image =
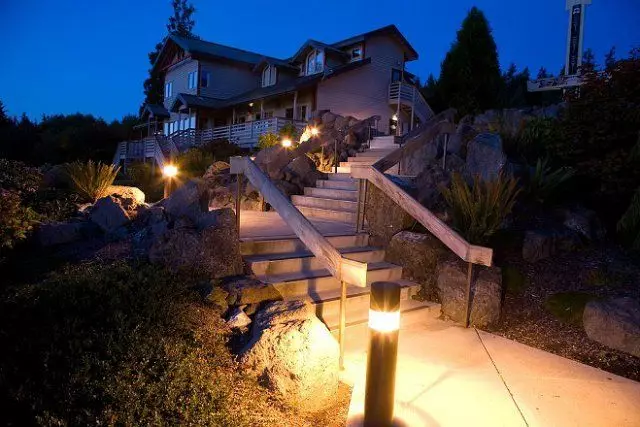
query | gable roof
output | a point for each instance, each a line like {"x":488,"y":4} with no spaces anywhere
{"x":391,"y":30}
{"x":316,"y":45}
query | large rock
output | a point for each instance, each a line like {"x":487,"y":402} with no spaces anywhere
{"x":384,"y":217}
{"x":211,"y":245}
{"x":282,"y":312}
{"x":272,"y":160}
{"x":297,"y":359}
{"x":485,"y":157}
{"x":238,"y":318}
{"x":457,"y":143}
{"x":584,"y":222}
{"x":544,"y":243}
{"x":246,"y":290}
{"x":108,"y":214}
{"x":302,"y":172}
{"x":429,"y":150}
{"x":418,"y":254}
{"x":429,"y":184}
{"x":614,"y":323}
{"x":186,"y":199}
{"x":58,"y":233}
{"x":134,"y":194}
{"x":486,"y":293}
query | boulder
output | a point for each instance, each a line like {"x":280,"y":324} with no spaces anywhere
{"x":543,"y":243}
{"x":108,"y":214}
{"x":215,"y":169}
{"x":298,"y":360}
{"x":302,"y":172}
{"x":272,"y":160}
{"x":429,"y":184}
{"x":584,"y":222}
{"x":485,"y":157}
{"x":282,"y":312}
{"x":615,"y":323}
{"x":384,"y":217}
{"x":418,"y":254}
{"x":246,"y":290}
{"x":328,"y":119}
{"x":186,"y":199}
{"x":58,"y":233}
{"x":341,"y":123}
{"x":422,"y":157}
{"x":238,"y":318}
{"x":486,"y":293}
{"x":132,"y":195}
{"x":211,"y":246}
{"x":458,"y":142}
{"x":56,"y":176}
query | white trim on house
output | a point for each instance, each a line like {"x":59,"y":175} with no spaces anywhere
{"x":314,"y":62}
{"x":269,"y":75}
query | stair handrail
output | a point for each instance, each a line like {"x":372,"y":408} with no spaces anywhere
{"x":346,"y":270}
{"x":439,"y":125}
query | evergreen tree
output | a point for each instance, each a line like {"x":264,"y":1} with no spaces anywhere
{"x":4,"y":119}
{"x":542,"y":73}
{"x":181,"y":23}
{"x":514,"y":88}
{"x":588,"y":60}
{"x":470,"y":76}
{"x":610,"y":59}
{"x":431,"y":93}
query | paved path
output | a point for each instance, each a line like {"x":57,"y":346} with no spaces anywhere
{"x":451,"y":376}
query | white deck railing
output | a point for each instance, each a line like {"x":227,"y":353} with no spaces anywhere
{"x":409,"y":95}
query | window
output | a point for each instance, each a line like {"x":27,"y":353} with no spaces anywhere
{"x":205,"y":79}
{"x":268,"y":76}
{"x":267,"y":115}
{"x":166,"y":128}
{"x":356,"y":53}
{"x":193,"y":79}
{"x":288,"y":113}
{"x":395,"y":75}
{"x":168,"y":89}
{"x":315,"y":62}
{"x":301,"y":112}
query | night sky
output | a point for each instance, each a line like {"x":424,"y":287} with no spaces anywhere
{"x":89,"y":56}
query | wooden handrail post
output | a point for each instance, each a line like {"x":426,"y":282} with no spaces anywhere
{"x":343,"y":321}
{"x":467,"y":300}
{"x":238,"y":184}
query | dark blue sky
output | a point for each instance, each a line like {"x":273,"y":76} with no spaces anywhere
{"x":89,"y":56}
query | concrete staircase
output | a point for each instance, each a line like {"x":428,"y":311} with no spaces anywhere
{"x":336,"y":198}
{"x":297,"y":274}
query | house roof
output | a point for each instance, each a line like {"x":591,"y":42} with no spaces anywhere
{"x":277,"y":62}
{"x":389,"y":30}
{"x":282,"y":88}
{"x":316,"y":45}
{"x":210,"y":49}
{"x":155,"y":110}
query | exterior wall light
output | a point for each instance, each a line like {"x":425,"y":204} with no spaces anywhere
{"x":382,"y":357}
{"x":286,"y":143}
{"x":251,"y":104}
{"x":314,"y":131}
{"x":394,"y":118}
{"x":169,"y":172}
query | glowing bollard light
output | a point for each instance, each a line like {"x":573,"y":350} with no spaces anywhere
{"x":169,"y":172}
{"x":286,"y":143}
{"x":384,"y":326}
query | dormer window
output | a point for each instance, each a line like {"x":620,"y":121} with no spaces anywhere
{"x":355,"y":53}
{"x":268,"y":76}
{"x":315,"y":62}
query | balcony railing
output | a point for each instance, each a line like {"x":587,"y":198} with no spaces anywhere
{"x":409,"y":95}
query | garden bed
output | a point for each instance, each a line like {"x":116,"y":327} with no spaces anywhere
{"x":544,"y":302}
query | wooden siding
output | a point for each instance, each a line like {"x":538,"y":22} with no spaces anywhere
{"x":179,"y":75}
{"x":363,"y":92}
{"x":228,"y":80}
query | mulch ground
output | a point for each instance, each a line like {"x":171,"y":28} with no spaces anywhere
{"x":601,"y":272}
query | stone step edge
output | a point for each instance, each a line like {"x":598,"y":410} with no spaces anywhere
{"x":319,"y":274}
{"x":307,"y":254}
{"x":427,"y":307}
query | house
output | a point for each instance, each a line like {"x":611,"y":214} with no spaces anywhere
{"x":214,"y":91}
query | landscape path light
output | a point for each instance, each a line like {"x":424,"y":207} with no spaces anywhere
{"x":286,"y":143}
{"x":169,"y":172}
{"x":382,"y":357}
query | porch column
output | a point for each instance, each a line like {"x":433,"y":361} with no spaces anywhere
{"x":413,"y":107}
{"x":295,"y":105}
{"x":262,"y":109}
{"x":233,"y":116}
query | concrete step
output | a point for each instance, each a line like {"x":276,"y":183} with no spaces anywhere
{"x":380,"y":152}
{"x":266,"y":264}
{"x":412,"y":312}
{"x":337,"y":184}
{"x":340,"y":176}
{"x":329,"y":204}
{"x":284,"y":246}
{"x":331,"y":193}
{"x":362,"y":160}
{"x":345,"y":170}
{"x":348,"y":217}
{"x":313,"y":282}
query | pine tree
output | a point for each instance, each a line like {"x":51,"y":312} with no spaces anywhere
{"x":431,"y":93}
{"x":470,"y":78}
{"x":610,"y":59}
{"x":588,"y":60}
{"x":542,"y":73}
{"x":181,"y":23}
{"x":4,"y":118}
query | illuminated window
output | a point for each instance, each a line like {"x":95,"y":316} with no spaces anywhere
{"x":356,"y":53}
{"x":193,"y":79}
{"x":168,"y":89}
{"x":268,"y":76}
{"x":315,"y":62}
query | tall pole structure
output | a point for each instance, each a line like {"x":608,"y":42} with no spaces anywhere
{"x":575,"y":35}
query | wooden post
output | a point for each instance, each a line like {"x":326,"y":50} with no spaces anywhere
{"x":468,"y":296}
{"x":343,"y":320}
{"x":335,"y":154}
{"x":358,"y":206}
{"x":233,"y":116}
{"x":239,"y":178}
{"x":295,"y":105}
{"x":413,"y":107}
{"x":262,"y":109}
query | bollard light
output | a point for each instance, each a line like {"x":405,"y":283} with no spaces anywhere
{"x":384,"y":327}
{"x":286,"y":143}
{"x":314,"y":131}
{"x":169,"y":172}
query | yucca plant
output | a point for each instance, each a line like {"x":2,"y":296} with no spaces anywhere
{"x":91,"y":180}
{"x":545,"y":183}
{"x":477,"y":212}
{"x":629,"y":225}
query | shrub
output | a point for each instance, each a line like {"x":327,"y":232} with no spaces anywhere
{"x":267,"y":140}
{"x":289,"y":131}
{"x":148,"y":179}
{"x":536,"y":136}
{"x":91,"y":180}
{"x":222,"y":149}
{"x":121,"y":344}
{"x":16,"y":220}
{"x":514,"y":281}
{"x":568,"y":306}
{"x":194,"y":162}
{"x":544,"y":184}
{"x":19,"y":177}
{"x":53,"y":204}
{"x":478,"y":212}
{"x":628,"y":226}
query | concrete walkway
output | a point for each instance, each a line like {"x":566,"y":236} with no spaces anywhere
{"x":451,"y":376}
